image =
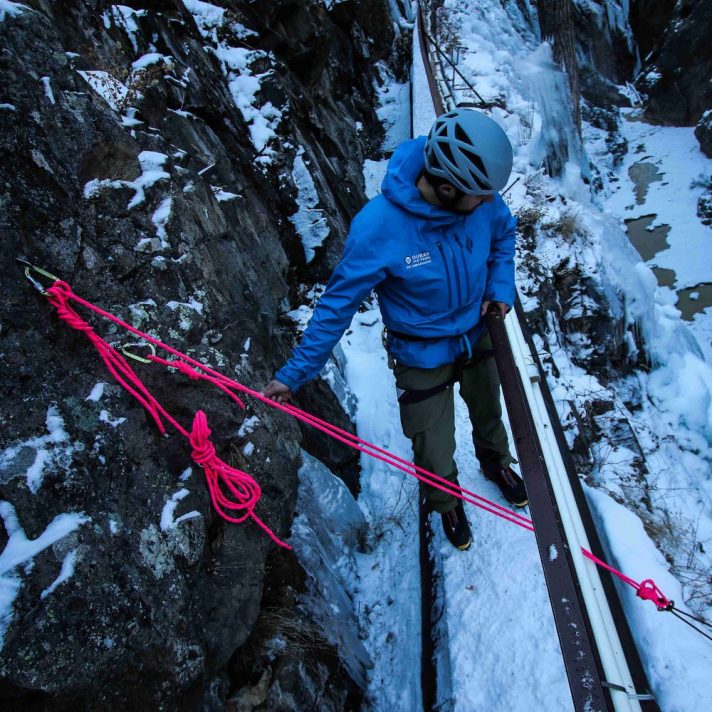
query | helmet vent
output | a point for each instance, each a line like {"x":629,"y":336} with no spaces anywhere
{"x":483,"y":185}
{"x":447,"y":152}
{"x":477,"y":161}
{"x":434,"y":163}
{"x":460,"y":135}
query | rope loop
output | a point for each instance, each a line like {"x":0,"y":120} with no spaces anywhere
{"x":648,"y":590}
{"x":203,"y":449}
{"x":59,"y":295}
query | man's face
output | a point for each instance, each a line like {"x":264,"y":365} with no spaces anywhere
{"x":465,"y":205}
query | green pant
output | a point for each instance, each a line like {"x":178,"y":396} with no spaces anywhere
{"x":430,"y":423}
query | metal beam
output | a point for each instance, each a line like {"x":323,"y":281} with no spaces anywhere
{"x":577,"y":648}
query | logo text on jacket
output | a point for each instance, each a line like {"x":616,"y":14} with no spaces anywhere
{"x":417,"y":260}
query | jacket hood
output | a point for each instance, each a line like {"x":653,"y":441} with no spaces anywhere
{"x":404,"y":167}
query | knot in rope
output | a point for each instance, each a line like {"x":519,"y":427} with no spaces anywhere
{"x":203,"y":449}
{"x":59,"y":295}
{"x":649,"y":591}
{"x":187,"y":370}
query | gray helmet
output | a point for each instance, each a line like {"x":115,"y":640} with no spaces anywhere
{"x":469,"y":150}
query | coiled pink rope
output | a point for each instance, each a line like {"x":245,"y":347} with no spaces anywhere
{"x":243,"y":488}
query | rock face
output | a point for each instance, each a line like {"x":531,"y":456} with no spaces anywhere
{"x":147,"y":156}
{"x":677,"y":67}
{"x":703,"y":132}
{"x":649,"y":20}
{"x":605,"y":50}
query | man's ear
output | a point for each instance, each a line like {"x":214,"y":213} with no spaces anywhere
{"x":446,"y":190}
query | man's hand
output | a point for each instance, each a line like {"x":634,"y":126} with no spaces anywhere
{"x":503,"y":308}
{"x":277,"y":391}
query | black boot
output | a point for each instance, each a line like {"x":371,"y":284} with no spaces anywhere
{"x":510,"y":483}
{"x":456,"y":528}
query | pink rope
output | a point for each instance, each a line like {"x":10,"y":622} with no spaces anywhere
{"x":231,"y":490}
{"x":243,"y":488}
{"x":647,"y":590}
{"x":216,"y":377}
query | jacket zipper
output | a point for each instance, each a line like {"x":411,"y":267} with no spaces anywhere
{"x":447,"y":275}
{"x":465,"y":272}
{"x":456,"y":270}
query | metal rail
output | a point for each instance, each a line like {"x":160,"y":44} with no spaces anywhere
{"x":577,"y":648}
{"x":620,"y":658}
{"x":428,"y":664}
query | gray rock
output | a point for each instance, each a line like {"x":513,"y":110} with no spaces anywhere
{"x":675,"y":74}
{"x":703,"y":133}
{"x":169,"y":607}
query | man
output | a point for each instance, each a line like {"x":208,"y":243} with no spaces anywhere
{"x":438,"y":248}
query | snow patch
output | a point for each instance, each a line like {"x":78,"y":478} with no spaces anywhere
{"x":96,"y":393}
{"x":53,"y":448}
{"x":105,"y":417}
{"x":125,"y":18}
{"x":235,"y":62}
{"x":223,"y":196}
{"x":160,"y":219}
{"x":309,"y":221}
{"x":209,"y":18}
{"x":65,"y":574}
{"x":110,"y":89}
{"x":184,"y":309}
{"x":244,"y":87}
{"x":20,"y":550}
{"x":167,"y":515}
{"x":11,"y":9}
{"x":248,"y":426}
{"x":151,"y":173}
{"x":151,"y":59}
{"x":677,"y":660}
{"x":48,"y":90}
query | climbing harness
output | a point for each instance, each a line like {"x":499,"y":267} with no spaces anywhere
{"x":411,"y":396}
{"x":468,"y":360}
{"x":235,"y":493}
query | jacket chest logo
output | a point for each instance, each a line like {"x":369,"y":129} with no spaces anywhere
{"x":418,"y":260}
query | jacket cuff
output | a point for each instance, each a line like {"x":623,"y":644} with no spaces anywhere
{"x":507,"y":299}
{"x":282,"y":378}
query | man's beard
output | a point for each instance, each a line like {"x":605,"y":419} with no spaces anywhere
{"x":451,"y":204}
{"x":462,"y":211}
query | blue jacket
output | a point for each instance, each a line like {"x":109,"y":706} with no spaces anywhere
{"x":431,"y":269}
